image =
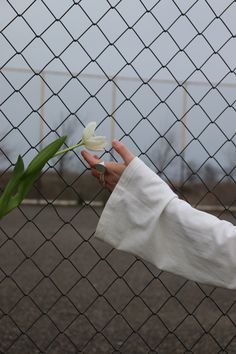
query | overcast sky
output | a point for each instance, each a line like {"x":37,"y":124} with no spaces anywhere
{"x":181,"y":41}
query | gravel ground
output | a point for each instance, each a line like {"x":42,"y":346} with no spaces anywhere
{"x":63,"y":292}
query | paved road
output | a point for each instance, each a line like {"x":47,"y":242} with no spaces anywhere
{"x":63,"y":292}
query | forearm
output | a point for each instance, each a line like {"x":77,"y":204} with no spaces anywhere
{"x":144,"y":217}
{"x":128,"y":218}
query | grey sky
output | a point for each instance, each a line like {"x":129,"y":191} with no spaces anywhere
{"x":116,"y":45}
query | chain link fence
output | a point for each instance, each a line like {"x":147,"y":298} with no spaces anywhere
{"x":160,"y":76}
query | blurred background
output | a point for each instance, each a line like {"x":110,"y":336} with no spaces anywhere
{"x":159,"y":76}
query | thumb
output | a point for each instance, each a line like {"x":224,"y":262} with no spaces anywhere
{"x":123,"y":151}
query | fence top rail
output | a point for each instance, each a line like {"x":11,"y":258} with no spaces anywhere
{"x":117,"y":78}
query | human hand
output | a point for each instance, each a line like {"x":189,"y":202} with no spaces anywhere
{"x":114,"y":170}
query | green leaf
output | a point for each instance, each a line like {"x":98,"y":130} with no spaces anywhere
{"x":34,"y":169}
{"x":44,"y":155}
{"x":12,"y":186}
{"x":21,"y":181}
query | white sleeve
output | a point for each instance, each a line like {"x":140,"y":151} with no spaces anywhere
{"x":144,"y":217}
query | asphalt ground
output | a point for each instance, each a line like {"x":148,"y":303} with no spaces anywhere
{"x":63,"y":292}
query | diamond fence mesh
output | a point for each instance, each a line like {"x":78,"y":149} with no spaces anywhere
{"x":160,"y":76}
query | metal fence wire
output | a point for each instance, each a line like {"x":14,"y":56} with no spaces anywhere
{"x":160,"y":76}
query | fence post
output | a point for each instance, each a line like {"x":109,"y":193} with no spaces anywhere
{"x":113,"y":112}
{"x":183,"y":132}
{"x":41,"y":122}
{"x":41,"y":109}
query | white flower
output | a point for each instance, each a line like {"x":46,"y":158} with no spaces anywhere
{"x":90,"y":140}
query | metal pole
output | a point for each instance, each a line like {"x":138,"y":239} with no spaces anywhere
{"x":41,"y":110}
{"x":183,"y":132}
{"x":123,"y":78}
{"x":113,"y":108}
{"x":41,"y":121}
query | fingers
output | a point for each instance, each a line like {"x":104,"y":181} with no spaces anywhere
{"x":119,"y":147}
{"x":91,"y":159}
{"x":114,"y":170}
{"x":123,"y":151}
{"x":111,"y":177}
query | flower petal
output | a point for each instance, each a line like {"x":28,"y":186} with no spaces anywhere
{"x":89,"y":130}
{"x":97,"y":143}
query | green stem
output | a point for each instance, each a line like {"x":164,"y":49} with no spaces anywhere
{"x":69,"y":149}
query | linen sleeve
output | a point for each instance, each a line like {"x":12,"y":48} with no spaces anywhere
{"x":145,"y":217}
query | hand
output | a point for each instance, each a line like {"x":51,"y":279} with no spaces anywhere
{"x":113,"y":169}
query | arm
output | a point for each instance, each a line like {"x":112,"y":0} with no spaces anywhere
{"x":144,"y":217}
